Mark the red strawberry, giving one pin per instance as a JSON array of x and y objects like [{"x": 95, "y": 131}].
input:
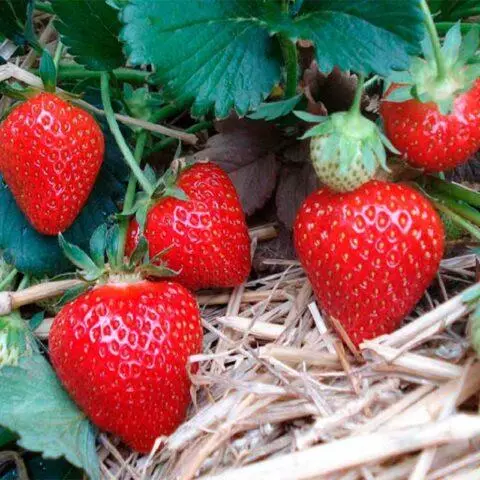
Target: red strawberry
[
  {"x": 207, "y": 236},
  {"x": 50, "y": 156},
  {"x": 427, "y": 138},
  {"x": 369, "y": 254},
  {"x": 121, "y": 352}
]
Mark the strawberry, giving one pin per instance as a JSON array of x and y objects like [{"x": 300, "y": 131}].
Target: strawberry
[
  {"x": 121, "y": 351},
  {"x": 50, "y": 157},
  {"x": 427, "y": 138},
  {"x": 369, "y": 254},
  {"x": 204, "y": 238},
  {"x": 431, "y": 114},
  {"x": 346, "y": 148}
]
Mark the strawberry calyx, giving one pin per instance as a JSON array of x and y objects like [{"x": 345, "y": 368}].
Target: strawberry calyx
[
  {"x": 101, "y": 265},
  {"x": 14, "y": 340},
  {"x": 349, "y": 137},
  {"x": 443, "y": 74}
]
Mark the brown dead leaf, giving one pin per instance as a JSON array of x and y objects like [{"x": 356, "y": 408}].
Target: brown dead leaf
[
  {"x": 334, "y": 91},
  {"x": 246, "y": 150},
  {"x": 295, "y": 184}
]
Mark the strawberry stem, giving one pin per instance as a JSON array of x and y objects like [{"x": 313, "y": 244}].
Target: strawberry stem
[
  {"x": 130, "y": 196},
  {"x": 122, "y": 144},
  {"x": 433, "y": 34},
  {"x": 74, "y": 71},
  {"x": 357, "y": 100},
  {"x": 290, "y": 56}
]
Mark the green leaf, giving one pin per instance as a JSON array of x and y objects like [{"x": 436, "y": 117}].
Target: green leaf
[
  {"x": 215, "y": 54},
  {"x": 90, "y": 29},
  {"x": 48, "y": 71},
  {"x": 36, "y": 320},
  {"x": 40, "y": 255},
  {"x": 368, "y": 36},
  {"x": 35, "y": 406},
  {"x": 273, "y": 110},
  {"x": 13, "y": 15}
]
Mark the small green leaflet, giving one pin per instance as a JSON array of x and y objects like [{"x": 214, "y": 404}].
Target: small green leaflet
[
  {"x": 90, "y": 29},
  {"x": 271, "y": 111},
  {"x": 35, "y": 406}
]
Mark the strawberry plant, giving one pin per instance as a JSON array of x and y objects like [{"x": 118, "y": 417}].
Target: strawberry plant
[{"x": 153, "y": 133}]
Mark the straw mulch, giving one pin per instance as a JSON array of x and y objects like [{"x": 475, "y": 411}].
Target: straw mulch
[{"x": 277, "y": 395}]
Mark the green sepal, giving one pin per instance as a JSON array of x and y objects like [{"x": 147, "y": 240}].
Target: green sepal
[
  {"x": 309, "y": 117},
  {"x": 469, "y": 46},
  {"x": 400, "y": 94},
  {"x": 141, "y": 103},
  {"x": 150, "y": 174},
  {"x": 140, "y": 254},
  {"x": 48, "y": 72},
  {"x": 36, "y": 320},
  {"x": 161, "y": 271},
  {"x": 112, "y": 244},
  {"x": 97, "y": 245},
  {"x": 348, "y": 152},
  {"x": 452, "y": 44},
  {"x": 72, "y": 293},
  {"x": 88, "y": 269},
  {"x": 321, "y": 129}
]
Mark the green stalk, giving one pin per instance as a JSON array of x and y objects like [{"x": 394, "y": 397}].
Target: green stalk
[
  {"x": 466, "y": 211},
  {"x": 198, "y": 127},
  {"x": 290, "y": 56},
  {"x": 437, "y": 48},
  {"x": 165, "y": 112},
  {"x": 58, "y": 54},
  {"x": 122, "y": 144},
  {"x": 357, "y": 100},
  {"x": 8, "y": 279},
  {"x": 130, "y": 196},
  {"x": 24, "y": 282},
  {"x": 465, "y": 224},
  {"x": 456, "y": 191},
  {"x": 69, "y": 71}
]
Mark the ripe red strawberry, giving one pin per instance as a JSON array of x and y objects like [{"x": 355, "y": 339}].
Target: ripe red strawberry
[
  {"x": 50, "y": 156},
  {"x": 207, "y": 236},
  {"x": 429, "y": 139},
  {"x": 121, "y": 352},
  {"x": 369, "y": 254}
]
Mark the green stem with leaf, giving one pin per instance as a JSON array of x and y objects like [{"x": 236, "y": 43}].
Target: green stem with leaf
[
  {"x": 198, "y": 127},
  {"x": 459, "y": 220},
  {"x": 290, "y": 56},
  {"x": 455, "y": 191},
  {"x": 122, "y": 144},
  {"x": 8, "y": 279},
  {"x": 433, "y": 34},
  {"x": 130, "y": 196},
  {"x": 74, "y": 71}
]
